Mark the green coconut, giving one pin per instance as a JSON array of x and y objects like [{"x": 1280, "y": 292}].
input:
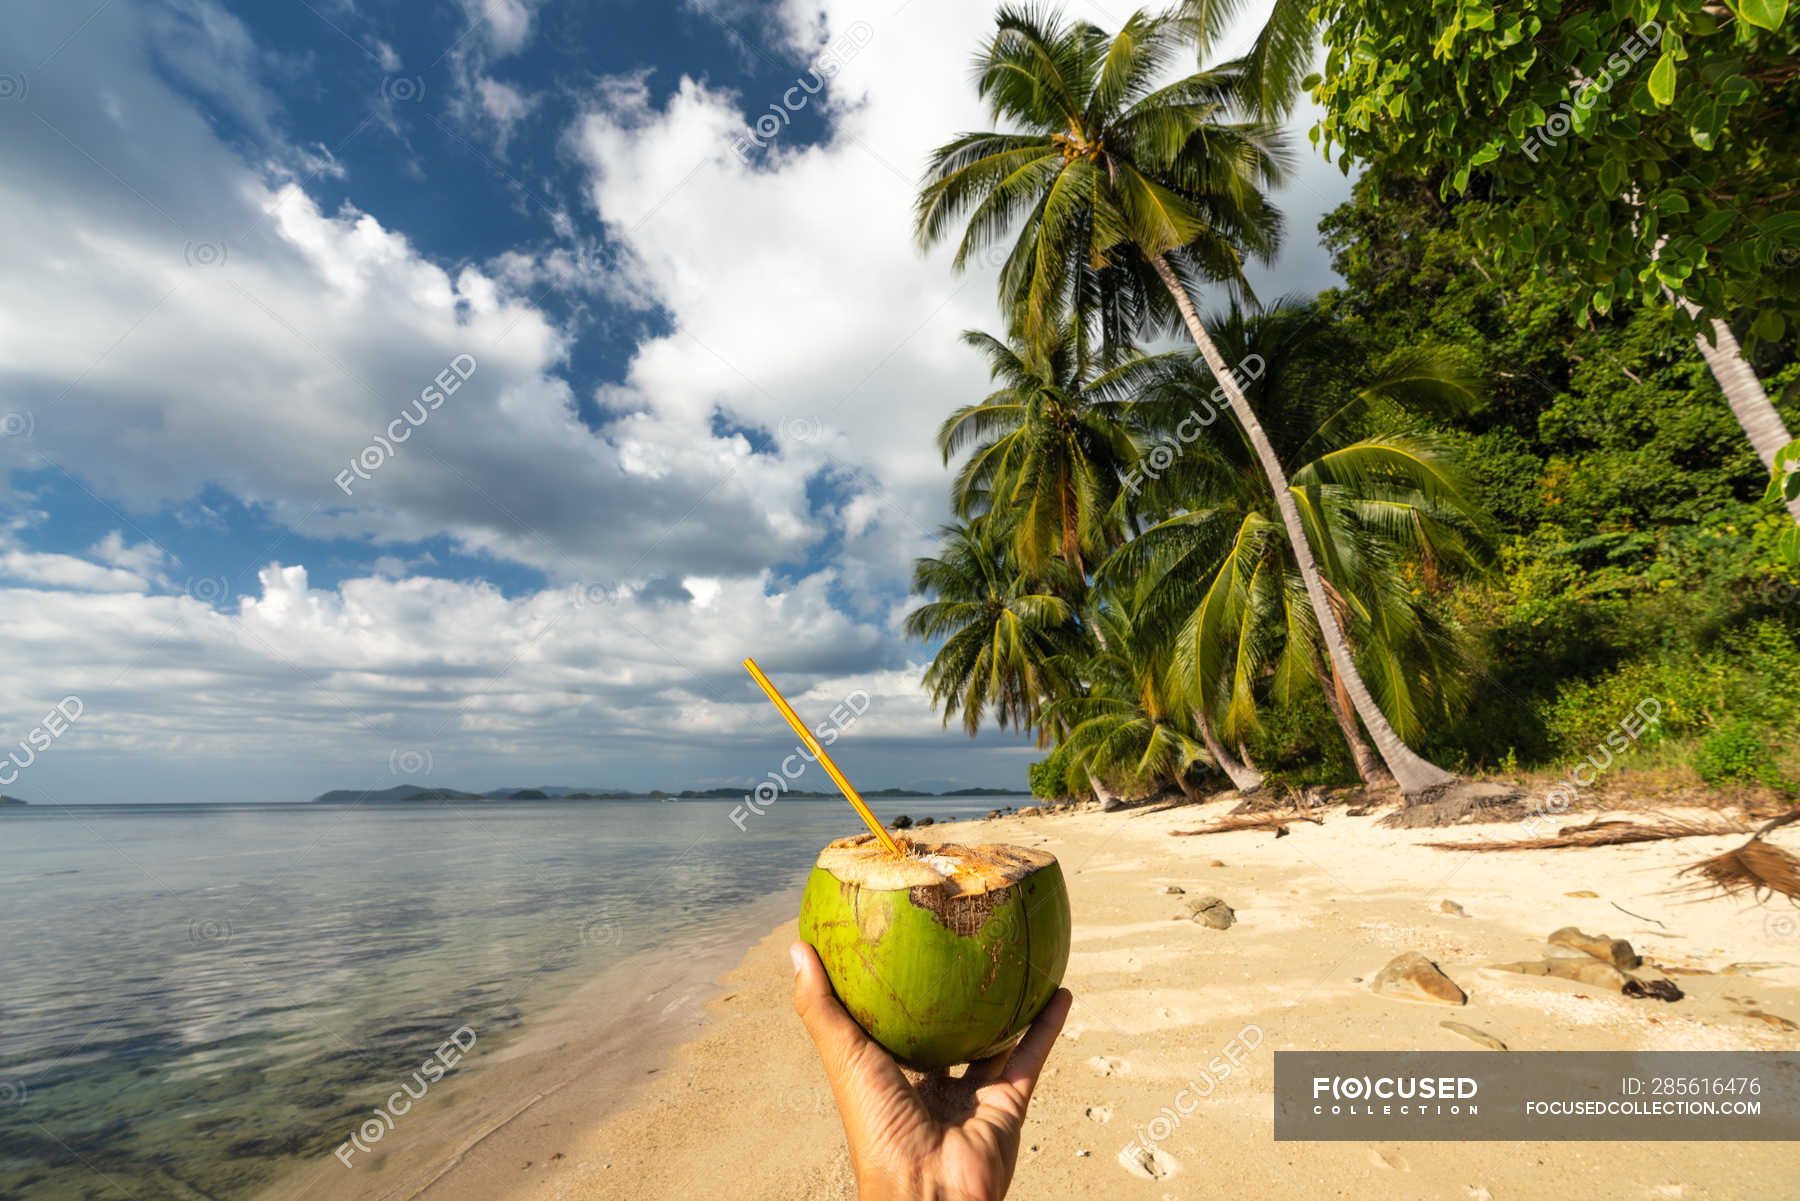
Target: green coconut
[{"x": 945, "y": 954}]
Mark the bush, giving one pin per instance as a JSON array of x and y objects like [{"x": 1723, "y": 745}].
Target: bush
[
  {"x": 1737, "y": 753},
  {"x": 1048, "y": 780}
]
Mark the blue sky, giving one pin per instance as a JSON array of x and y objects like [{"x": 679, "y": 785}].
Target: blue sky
[{"x": 246, "y": 247}]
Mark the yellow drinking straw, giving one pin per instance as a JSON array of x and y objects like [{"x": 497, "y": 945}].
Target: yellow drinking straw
[{"x": 812, "y": 744}]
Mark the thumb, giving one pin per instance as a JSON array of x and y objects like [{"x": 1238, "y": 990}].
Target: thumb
[{"x": 833, "y": 1031}]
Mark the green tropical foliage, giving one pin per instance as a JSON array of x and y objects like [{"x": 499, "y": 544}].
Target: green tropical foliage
[
  {"x": 1129, "y": 724},
  {"x": 1049, "y": 446},
  {"x": 1490, "y": 457},
  {"x": 1634, "y": 147},
  {"x": 1002, "y": 631}
]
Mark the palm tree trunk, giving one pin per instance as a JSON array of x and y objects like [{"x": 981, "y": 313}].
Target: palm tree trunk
[
  {"x": 1743, "y": 392},
  {"x": 1368, "y": 764},
  {"x": 1109, "y": 800},
  {"x": 1245, "y": 779},
  {"x": 1736, "y": 378},
  {"x": 1419, "y": 779}
]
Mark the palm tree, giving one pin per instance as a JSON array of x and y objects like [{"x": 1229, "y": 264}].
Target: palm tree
[
  {"x": 1383, "y": 506},
  {"x": 1049, "y": 445},
  {"x": 1128, "y": 729},
  {"x": 1275, "y": 63},
  {"x": 1108, "y": 175},
  {"x": 1003, "y": 631}
]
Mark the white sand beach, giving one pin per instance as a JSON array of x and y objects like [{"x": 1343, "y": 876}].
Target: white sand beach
[{"x": 744, "y": 1111}]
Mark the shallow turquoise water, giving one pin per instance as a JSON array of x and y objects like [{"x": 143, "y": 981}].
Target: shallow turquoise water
[{"x": 192, "y": 998}]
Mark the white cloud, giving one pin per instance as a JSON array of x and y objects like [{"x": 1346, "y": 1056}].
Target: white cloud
[
  {"x": 174, "y": 319},
  {"x": 508, "y": 22},
  {"x": 350, "y": 675},
  {"x": 68, "y": 571},
  {"x": 197, "y": 323}
]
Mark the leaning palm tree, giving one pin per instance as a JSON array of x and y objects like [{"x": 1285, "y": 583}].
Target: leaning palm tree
[
  {"x": 1384, "y": 507},
  {"x": 1003, "y": 631},
  {"x": 1049, "y": 445},
  {"x": 1113, "y": 178}
]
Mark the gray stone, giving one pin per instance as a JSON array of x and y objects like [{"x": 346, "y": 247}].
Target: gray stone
[
  {"x": 1412, "y": 977},
  {"x": 1211, "y": 911},
  {"x": 1615, "y": 951},
  {"x": 1474, "y": 1035}
]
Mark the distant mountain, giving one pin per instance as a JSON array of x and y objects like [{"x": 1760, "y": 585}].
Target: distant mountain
[
  {"x": 545, "y": 792},
  {"x": 413, "y": 792},
  {"x": 943, "y": 787},
  {"x": 11, "y": 800},
  {"x": 399, "y": 792}
]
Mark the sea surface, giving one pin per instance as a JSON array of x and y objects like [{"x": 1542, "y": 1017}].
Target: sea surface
[{"x": 194, "y": 997}]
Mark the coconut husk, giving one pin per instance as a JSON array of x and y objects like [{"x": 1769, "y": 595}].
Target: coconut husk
[
  {"x": 1759, "y": 868},
  {"x": 1252, "y": 821},
  {"x": 1608, "y": 833}
]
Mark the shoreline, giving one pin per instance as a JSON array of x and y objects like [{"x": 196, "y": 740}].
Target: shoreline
[
  {"x": 584, "y": 1058},
  {"x": 741, "y": 1108}
]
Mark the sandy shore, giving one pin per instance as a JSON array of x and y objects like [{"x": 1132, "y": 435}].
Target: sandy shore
[{"x": 744, "y": 1111}]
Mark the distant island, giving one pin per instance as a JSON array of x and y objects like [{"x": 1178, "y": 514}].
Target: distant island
[
  {"x": 413, "y": 792},
  {"x": 11, "y": 800}
]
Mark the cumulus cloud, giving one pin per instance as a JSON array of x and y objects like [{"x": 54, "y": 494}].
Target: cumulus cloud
[
  {"x": 231, "y": 333},
  {"x": 623, "y": 685}
]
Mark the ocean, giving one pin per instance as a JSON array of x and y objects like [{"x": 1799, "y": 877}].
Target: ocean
[{"x": 196, "y": 999}]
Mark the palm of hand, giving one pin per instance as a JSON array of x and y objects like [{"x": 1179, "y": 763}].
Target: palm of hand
[{"x": 914, "y": 1135}]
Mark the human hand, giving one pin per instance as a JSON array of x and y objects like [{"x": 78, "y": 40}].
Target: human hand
[{"x": 922, "y": 1136}]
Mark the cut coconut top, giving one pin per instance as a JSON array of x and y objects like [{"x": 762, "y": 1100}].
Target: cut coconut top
[{"x": 963, "y": 870}]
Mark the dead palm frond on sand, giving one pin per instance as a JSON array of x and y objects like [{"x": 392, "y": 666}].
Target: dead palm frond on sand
[
  {"x": 1759, "y": 868},
  {"x": 1607, "y": 833}
]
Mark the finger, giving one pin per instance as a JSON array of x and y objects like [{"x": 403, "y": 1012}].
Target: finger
[
  {"x": 1027, "y": 1061},
  {"x": 986, "y": 1071},
  {"x": 833, "y": 1031}
]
